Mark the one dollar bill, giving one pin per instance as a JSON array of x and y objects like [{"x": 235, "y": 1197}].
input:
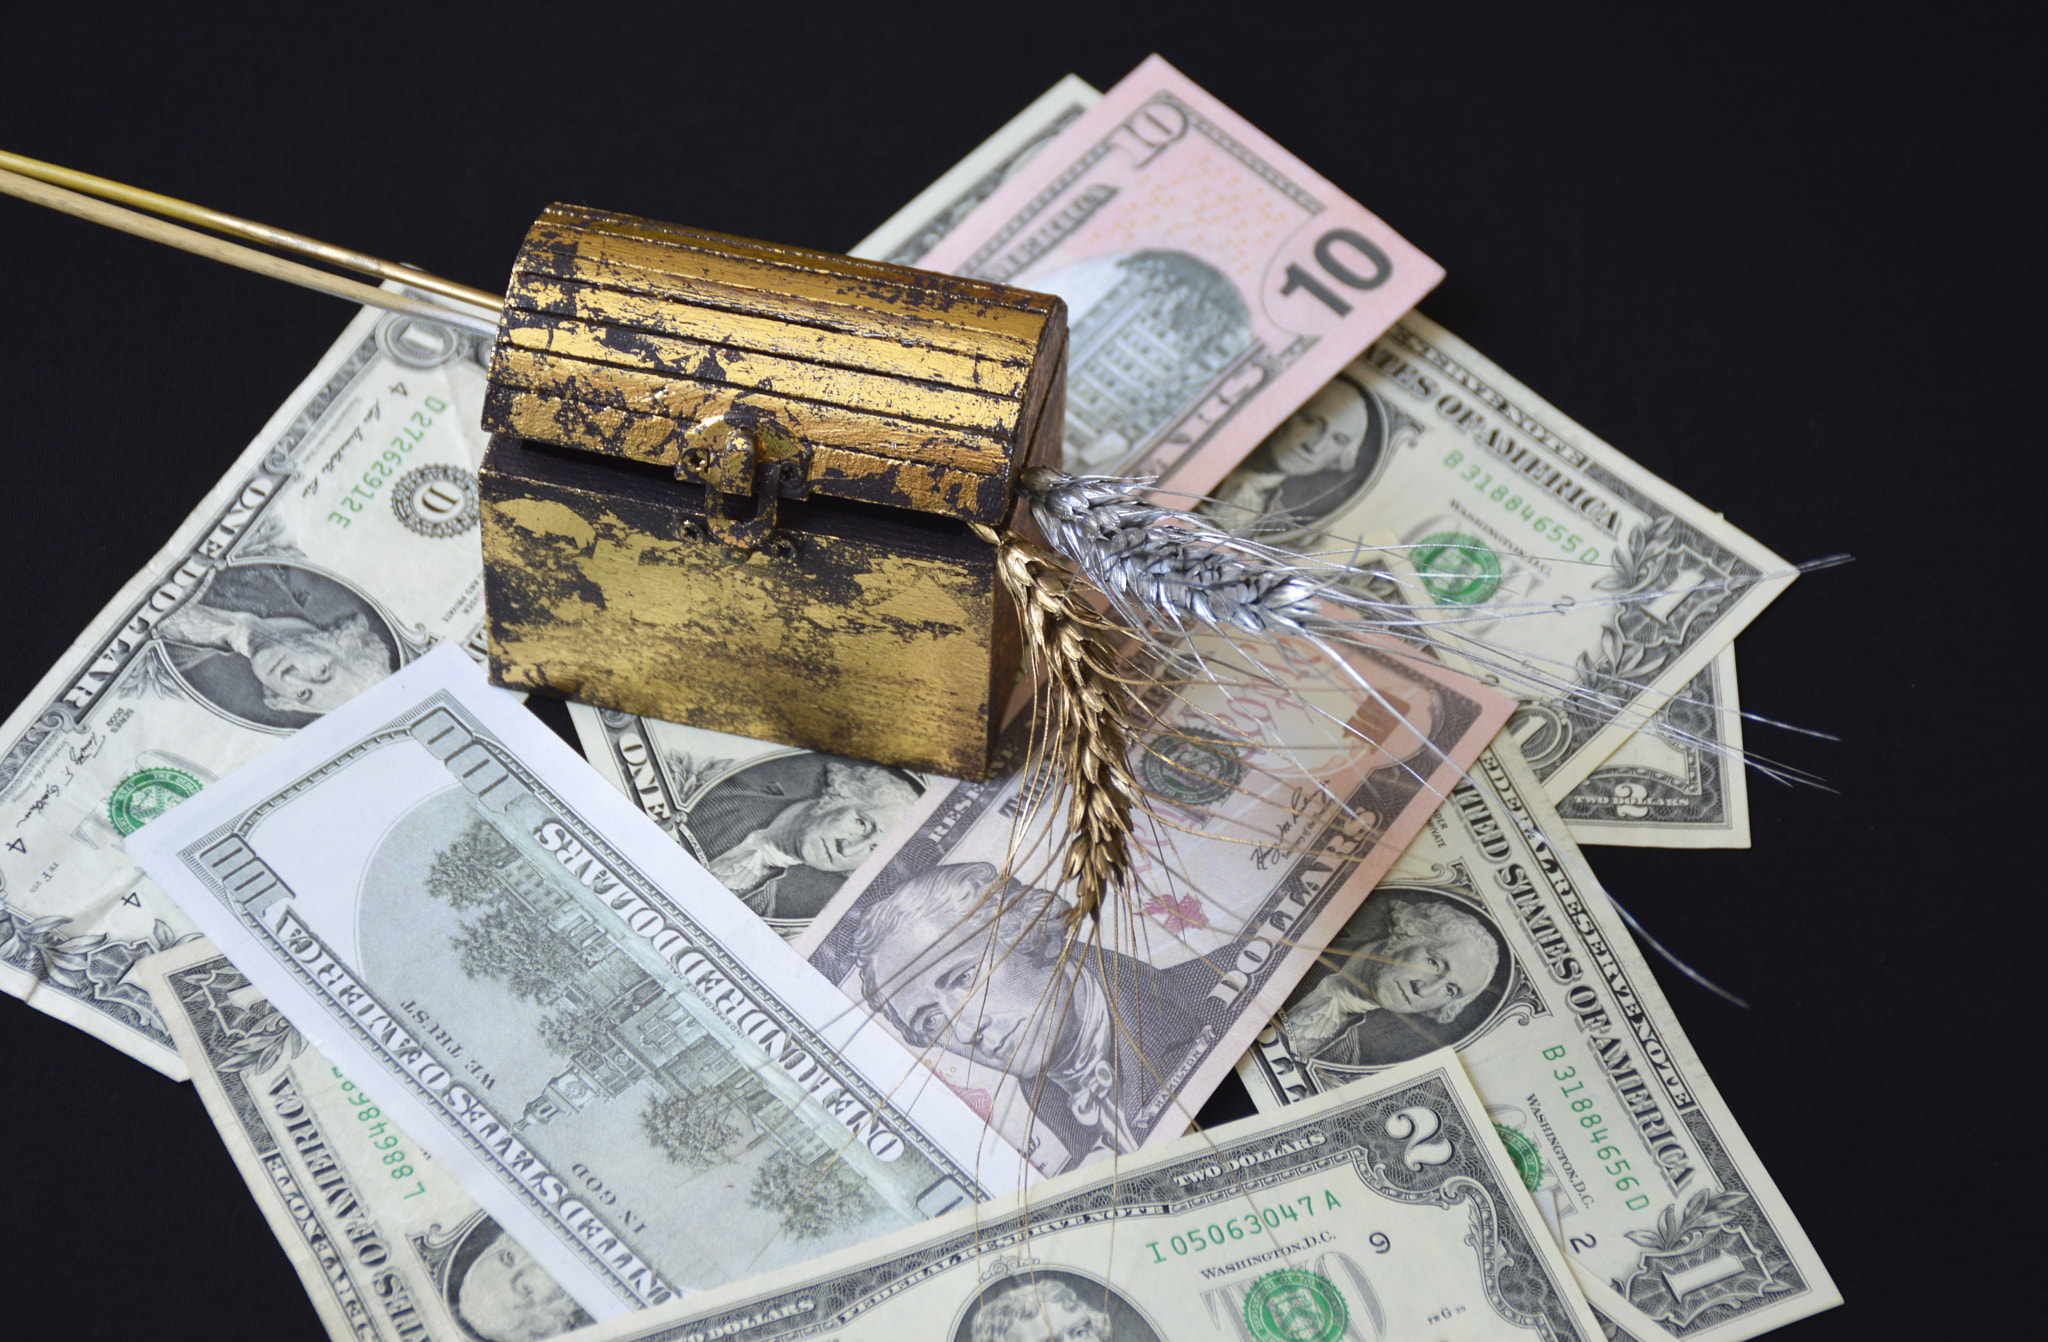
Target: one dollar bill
[
  {"x": 1594, "y": 590},
  {"x": 1492, "y": 936},
  {"x": 388, "y": 1245},
  {"x": 555, "y": 1001},
  {"x": 1388, "y": 1209},
  {"x": 340, "y": 544}
]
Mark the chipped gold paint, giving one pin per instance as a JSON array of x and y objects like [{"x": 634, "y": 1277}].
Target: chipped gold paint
[
  {"x": 545, "y": 521},
  {"x": 975, "y": 369},
  {"x": 922, "y": 392},
  {"x": 621, "y": 335},
  {"x": 603, "y": 347},
  {"x": 822, "y": 313},
  {"x": 679, "y": 399},
  {"x": 931, "y": 489},
  {"x": 897, "y": 665},
  {"x": 691, "y": 255}
]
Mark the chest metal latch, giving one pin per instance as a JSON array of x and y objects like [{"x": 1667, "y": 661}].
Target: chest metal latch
[{"x": 745, "y": 472}]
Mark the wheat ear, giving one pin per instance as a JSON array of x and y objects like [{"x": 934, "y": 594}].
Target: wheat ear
[
  {"x": 1161, "y": 567},
  {"x": 1089, "y": 706}
]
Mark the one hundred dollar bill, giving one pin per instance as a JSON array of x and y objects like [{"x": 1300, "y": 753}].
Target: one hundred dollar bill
[
  {"x": 1492, "y": 936},
  {"x": 340, "y": 544},
  {"x": 388, "y": 1245},
  {"x": 1388, "y": 1209},
  {"x": 1681, "y": 782},
  {"x": 623, "y": 1067},
  {"x": 1213, "y": 280},
  {"x": 1269, "y": 810}
]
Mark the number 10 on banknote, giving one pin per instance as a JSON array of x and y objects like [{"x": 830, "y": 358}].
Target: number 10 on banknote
[{"x": 1214, "y": 281}]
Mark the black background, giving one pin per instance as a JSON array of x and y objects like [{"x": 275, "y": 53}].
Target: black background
[{"x": 1777, "y": 261}]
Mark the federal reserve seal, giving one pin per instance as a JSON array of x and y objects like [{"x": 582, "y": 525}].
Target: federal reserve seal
[
  {"x": 1458, "y": 570},
  {"x": 1194, "y": 768},
  {"x": 1295, "y": 1306},
  {"x": 147, "y": 794},
  {"x": 435, "y": 501},
  {"x": 1523, "y": 1152}
]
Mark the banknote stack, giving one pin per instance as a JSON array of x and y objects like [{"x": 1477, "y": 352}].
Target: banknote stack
[{"x": 694, "y": 1037}]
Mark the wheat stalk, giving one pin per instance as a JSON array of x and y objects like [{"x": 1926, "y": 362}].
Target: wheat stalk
[{"x": 1089, "y": 706}]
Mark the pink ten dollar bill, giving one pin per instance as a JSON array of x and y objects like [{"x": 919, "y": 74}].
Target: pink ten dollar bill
[{"x": 1213, "y": 281}]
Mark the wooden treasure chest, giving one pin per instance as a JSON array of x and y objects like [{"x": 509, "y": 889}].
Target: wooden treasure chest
[{"x": 731, "y": 483}]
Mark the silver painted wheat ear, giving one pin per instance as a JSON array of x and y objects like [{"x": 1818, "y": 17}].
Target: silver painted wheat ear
[
  {"x": 1169, "y": 575},
  {"x": 1160, "y": 566}
]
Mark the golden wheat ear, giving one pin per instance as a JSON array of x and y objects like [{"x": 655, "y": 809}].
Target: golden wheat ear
[{"x": 1088, "y": 708}]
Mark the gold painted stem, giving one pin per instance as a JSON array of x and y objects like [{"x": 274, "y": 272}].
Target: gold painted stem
[
  {"x": 184, "y": 239},
  {"x": 283, "y": 240}
]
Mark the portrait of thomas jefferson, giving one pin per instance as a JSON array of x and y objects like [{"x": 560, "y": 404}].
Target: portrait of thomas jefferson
[
  {"x": 498, "y": 1293},
  {"x": 783, "y": 833},
  {"x": 953, "y": 960},
  {"x": 277, "y": 645},
  {"x": 1310, "y": 468},
  {"x": 1413, "y": 970},
  {"x": 1052, "y": 1306}
]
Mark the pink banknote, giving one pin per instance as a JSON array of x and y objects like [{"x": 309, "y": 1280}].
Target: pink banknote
[{"x": 1214, "y": 282}]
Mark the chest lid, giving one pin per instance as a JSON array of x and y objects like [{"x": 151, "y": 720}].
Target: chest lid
[{"x": 860, "y": 380}]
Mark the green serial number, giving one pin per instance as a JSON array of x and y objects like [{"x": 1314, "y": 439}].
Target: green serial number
[
  {"x": 376, "y": 1130},
  {"x": 386, "y": 465},
  {"x": 1220, "y": 1234},
  {"x": 1482, "y": 480},
  {"x": 1570, "y": 1083}
]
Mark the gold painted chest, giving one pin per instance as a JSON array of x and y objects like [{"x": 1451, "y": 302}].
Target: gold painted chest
[{"x": 731, "y": 483}]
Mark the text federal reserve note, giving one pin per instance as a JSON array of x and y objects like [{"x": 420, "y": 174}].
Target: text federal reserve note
[
  {"x": 1269, "y": 809},
  {"x": 624, "y": 1067},
  {"x": 1386, "y": 1210},
  {"x": 1213, "y": 280},
  {"x": 340, "y": 545},
  {"x": 1491, "y": 935},
  {"x": 389, "y": 1247}
]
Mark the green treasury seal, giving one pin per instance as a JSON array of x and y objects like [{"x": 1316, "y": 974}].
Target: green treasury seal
[
  {"x": 1523, "y": 1152},
  {"x": 1295, "y": 1306},
  {"x": 145, "y": 795},
  {"x": 1458, "y": 570}
]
